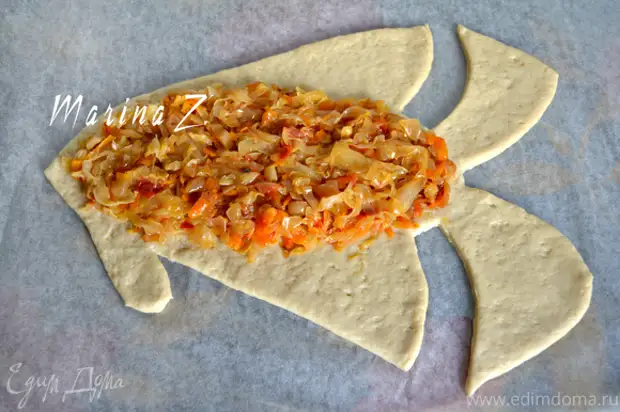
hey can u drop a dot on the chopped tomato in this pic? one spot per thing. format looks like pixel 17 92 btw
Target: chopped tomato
pixel 187 225
pixel 147 188
pixel 285 151
pixel 109 130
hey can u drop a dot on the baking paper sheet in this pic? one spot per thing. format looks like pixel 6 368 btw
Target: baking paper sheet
pixel 67 343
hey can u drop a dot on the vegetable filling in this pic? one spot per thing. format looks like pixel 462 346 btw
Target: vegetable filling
pixel 260 165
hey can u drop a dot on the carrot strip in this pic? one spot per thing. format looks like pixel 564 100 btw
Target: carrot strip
pixel 235 242
pixel 150 238
pixel 199 207
pixel 404 223
pixel 441 149
pixel 418 207
pixel 76 165
pixel 430 137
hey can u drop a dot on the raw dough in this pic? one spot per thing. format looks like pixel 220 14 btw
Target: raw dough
pixel 506 93
pixel 384 64
pixel 378 301
pixel 136 272
pixel 530 284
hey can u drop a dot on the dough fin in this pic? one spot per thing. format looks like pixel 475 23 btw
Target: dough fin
pixel 355 65
pixel 530 284
pixel 134 269
pixel 506 93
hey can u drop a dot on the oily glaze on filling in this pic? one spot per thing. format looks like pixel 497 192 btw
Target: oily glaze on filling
pixel 259 165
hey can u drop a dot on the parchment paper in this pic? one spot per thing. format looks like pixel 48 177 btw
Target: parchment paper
pixel 214 349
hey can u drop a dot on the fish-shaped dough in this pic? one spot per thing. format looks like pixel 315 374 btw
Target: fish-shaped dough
pixel 379 301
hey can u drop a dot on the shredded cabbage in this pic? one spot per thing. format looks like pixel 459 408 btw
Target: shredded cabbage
pixel 263 166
